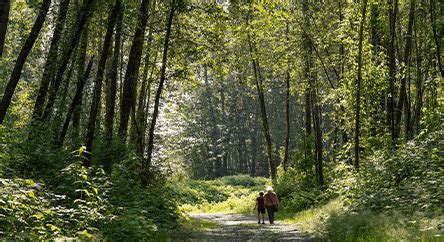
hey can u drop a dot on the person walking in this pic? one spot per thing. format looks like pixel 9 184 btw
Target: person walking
pixel 260 205
pixel 271 203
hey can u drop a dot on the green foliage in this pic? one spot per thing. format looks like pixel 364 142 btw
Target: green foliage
pixel 408 179
pixel 231 194
pixel 298 192
pixel 139 213
pixel 26 210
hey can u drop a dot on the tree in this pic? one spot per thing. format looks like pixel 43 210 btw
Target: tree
pixel 82 19
pixel 21 59
pixel 358 84
pixel 132 70
pixel 147 163
pixel 95 105
pixel 51 61
pixel 4 17
pixel 75 103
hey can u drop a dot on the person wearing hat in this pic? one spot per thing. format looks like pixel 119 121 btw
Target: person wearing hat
pixel 271 203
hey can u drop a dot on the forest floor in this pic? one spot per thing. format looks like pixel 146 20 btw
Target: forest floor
pixel 238 227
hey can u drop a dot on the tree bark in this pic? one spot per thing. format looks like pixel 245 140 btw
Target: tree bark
pixel 112 91
pixel 260 92
pixel 435 35
pixel 132 70
pixel 95 104
pixel 51 61
pixel 392 66
pixel 308 62
pixel 76 116
pixel 287 114
pixel 358 84
pixel 82 19
pixel 21 59
pixel 147 163
pixel 402 90
pixel 75 102
pixel 4 17
pixel 318 141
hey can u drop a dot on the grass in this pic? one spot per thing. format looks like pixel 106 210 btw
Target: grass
pixel 335 222
pixel 231 194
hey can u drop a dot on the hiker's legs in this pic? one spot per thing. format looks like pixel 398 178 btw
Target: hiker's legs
pixel 270 212
pixel 263 217
pixel 258 216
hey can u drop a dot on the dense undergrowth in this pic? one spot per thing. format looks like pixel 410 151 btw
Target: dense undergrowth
pixel 396 195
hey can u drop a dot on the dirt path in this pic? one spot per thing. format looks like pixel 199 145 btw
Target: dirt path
pixel 235 227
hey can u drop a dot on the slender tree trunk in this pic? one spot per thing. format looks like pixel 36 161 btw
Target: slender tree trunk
pixel 75 102
pixel 392 66
pixel 147 163
pixel 4 17
pixel 225 135
pixel 112 92
pixel 82 19
pixel 308 77
pixel 435 35
pixel 80 73
pixel 318 134
pixel 287 114
pixel 358 84
pixel 21 59
pixel 418 84
pixel 405 70
pixel 132 70
pixel 95 104
pixel 51 61
pixel 260 91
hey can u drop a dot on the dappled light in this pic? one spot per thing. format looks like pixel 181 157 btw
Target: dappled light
pixel 183 120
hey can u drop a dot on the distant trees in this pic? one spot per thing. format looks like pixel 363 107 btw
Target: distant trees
pixel 223 89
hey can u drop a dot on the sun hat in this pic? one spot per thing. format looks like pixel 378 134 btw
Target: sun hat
pixel 269 188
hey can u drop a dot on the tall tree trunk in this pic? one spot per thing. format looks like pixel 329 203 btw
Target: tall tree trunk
pixel 308 77
pixel 260 92
pixel 392 66
pixel 147 163
pixel 21 59
pixel 358 86
pixel 95 104
pixel 75 102
pixel 318 136
pixel 51 61
pixel 132 70
pixel 82 19
pixel 112 91
pixel 287 113
pixel 435 35
pixel 4 17
pixel 405 70
pixel 81 63
pixel 225 136
pixel 418 84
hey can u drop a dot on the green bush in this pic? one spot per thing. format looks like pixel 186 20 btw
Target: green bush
pixel 139 213
pixel 241 180
pixel 297 192
pixel 408 179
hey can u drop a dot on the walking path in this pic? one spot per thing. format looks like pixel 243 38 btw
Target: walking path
pixel 237 227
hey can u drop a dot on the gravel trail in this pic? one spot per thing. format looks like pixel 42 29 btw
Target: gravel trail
pixel 237 227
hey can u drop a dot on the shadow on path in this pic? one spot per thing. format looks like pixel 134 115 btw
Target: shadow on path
pixel 236 227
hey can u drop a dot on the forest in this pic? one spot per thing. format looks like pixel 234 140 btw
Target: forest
pixel 163 120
